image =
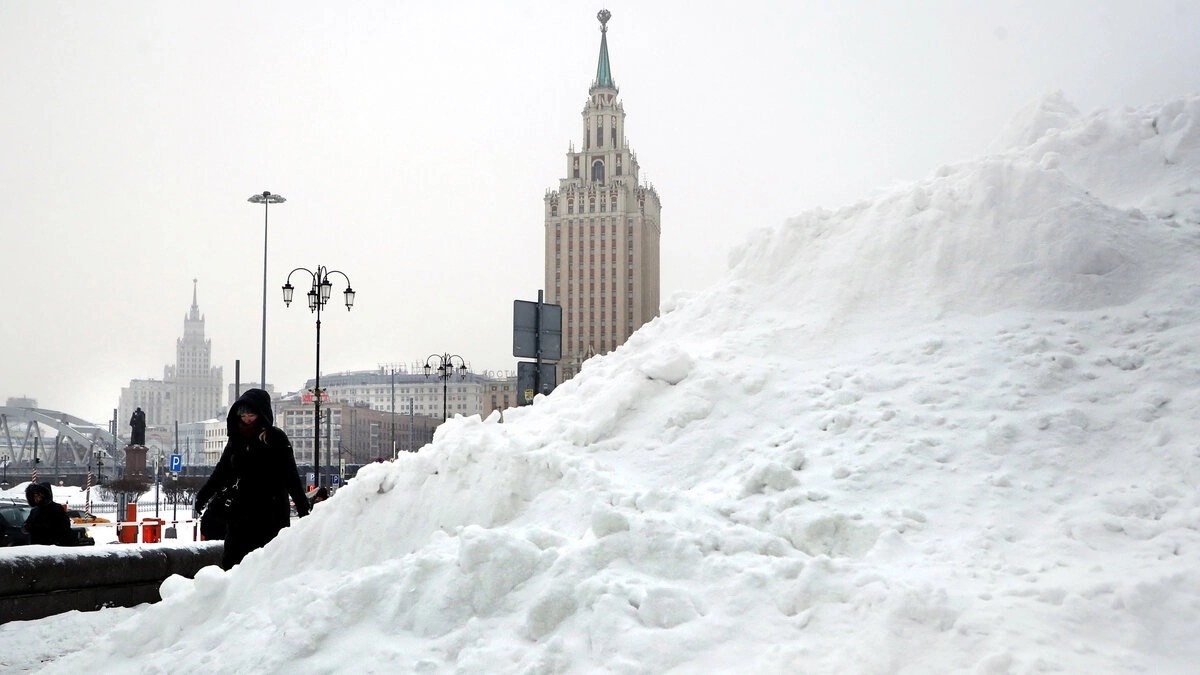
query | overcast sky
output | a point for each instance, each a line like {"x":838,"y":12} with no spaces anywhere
{"x":415,"y":142}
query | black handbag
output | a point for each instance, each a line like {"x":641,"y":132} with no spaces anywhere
{"x":224,"y":499}
{"x":214,"y":521}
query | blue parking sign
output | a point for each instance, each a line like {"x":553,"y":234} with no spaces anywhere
{"x":176,"y":463}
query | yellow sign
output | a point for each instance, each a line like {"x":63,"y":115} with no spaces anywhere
{"x":529,"y":396}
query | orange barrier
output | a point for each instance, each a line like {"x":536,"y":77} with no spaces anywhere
{"x":128,"y":534}
{"x":152,"y":530}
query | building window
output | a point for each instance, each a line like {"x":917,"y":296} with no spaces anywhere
{"x":598,"y":171}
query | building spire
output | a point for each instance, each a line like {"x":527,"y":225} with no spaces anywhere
{"x":604,"y":78}
{"x":195,"y":313}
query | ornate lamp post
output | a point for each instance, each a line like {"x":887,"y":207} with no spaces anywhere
{"x":318,"y":295}
{"x":445,"y":370}
{"x":266,"y":199}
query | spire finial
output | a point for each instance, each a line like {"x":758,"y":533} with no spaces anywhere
{"x":603,"y":69}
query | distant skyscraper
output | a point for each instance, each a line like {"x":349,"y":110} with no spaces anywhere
{"x":190,"y":390}
{"x":602,"y":231}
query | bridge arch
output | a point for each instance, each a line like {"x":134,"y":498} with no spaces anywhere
{"x":24,"y":435}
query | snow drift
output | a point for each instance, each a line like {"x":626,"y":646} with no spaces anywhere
{"x":949,"y":428}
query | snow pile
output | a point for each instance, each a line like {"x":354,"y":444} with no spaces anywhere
{"x":948,"y":429}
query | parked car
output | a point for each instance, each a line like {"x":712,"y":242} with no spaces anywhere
{"x":13,"y":515}
{"x":12,"y":518}
{"x":85,"y":517}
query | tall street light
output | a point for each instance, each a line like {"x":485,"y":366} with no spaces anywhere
{"x":318,"y":295}
{"x":266,"y":199}
{"x":445,"y":370}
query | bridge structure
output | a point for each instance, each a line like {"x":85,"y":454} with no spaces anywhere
{"x":54,"y":441}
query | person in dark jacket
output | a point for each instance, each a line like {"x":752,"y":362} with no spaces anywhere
{"x":259,"y":464}
{"x":47,"y":522}
{"x":320,"y":495}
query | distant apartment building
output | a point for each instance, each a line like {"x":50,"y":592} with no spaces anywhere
{"x":499,"y":394}
{"x":407,"y":390}
{"x":236,"y":389}
{"x":367,"y":414}
{"x":351,"y":434}
{"x":200,"y":443}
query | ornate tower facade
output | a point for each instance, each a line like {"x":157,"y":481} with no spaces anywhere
{"x":197,"y":384}
{"x":190,"y":390}
{"x":602,"y":231}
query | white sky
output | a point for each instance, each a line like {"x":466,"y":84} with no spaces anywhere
{"x":415,"y":141}
{"x":949,"y":429}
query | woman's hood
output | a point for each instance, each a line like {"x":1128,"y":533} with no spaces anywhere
{"x":257,"y":400}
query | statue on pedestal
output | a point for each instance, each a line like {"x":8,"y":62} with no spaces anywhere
{"x":138,"y":424}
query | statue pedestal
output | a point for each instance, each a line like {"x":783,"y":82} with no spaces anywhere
{"x":135,"y":461}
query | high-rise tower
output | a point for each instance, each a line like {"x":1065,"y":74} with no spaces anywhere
{"x":190,"y":390}
{"x":197,"y":394}
{"x":602,"y":231}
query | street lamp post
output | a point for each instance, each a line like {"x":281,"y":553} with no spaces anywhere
{"x":266,"y":199}
{"x":393,"y":413}
{"x":445,"y":370}
{"x":318,"y":295}
{"x":157,"y":467}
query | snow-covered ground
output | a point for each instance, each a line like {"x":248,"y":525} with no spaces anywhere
{"x":950,"y":428}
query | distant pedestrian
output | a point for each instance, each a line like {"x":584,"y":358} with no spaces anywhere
{"x":257,"y":471}
{"x":320,"y":495}
{"x":47,"y":522}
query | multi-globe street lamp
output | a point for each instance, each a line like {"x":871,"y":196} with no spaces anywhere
{"x":318,"y":295}
{"x":266,"y":199}
{"x":446,"y":365}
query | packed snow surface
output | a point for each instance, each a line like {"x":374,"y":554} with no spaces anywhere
{"x":951,"y":428}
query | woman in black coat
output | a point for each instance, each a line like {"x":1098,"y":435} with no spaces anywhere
{"x":258,"y":462}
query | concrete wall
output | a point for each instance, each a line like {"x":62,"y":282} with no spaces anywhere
{"x":37,"y":585}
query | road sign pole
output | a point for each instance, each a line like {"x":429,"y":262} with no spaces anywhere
{"x":537,"y":373}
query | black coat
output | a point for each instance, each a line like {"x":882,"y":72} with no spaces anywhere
{"x":48,"y":522}
{"x":263,"y":467}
